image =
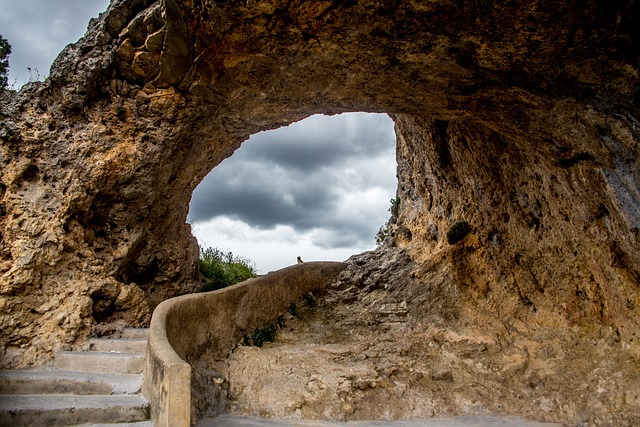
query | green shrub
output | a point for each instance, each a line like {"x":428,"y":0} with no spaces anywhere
{"x":220,"y":269}
{"x":457,"y":231}
{"x":382,"y":234}
{"x":395,"y":206}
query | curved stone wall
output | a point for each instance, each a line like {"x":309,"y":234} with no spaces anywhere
{"x":183,"y":328}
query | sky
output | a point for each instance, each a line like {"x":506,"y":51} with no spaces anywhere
{"x":318,"y":189}
{"x":38,"y":30}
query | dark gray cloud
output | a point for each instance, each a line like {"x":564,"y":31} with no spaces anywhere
{"x":39,"y":29}
{"x":321,"y":141}
{"x":313,"y":175}
{"x":262,"y":204}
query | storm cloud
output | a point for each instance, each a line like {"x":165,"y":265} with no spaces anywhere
{"x":329,"y":173}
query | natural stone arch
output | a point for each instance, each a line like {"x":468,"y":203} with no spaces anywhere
{"x":527,"y":109}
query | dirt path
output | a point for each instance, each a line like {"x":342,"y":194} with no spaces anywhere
{"x":377,"y":348}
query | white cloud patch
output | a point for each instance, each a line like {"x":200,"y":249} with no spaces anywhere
{"x":272,"y":249}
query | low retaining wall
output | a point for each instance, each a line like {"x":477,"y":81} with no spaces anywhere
{"x":183,"y":328}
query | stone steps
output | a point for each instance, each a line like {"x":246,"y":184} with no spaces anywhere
{"x":460,"y":421}
{"x":136,"y":424}
{"x":118,"y":345}
{"x":60,"y":381}
{"x":135,"y":333}
{"x":68,"y":410}
{"x":95,"y":387}
{"x":97,"y":361}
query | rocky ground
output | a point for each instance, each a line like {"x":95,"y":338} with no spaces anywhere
{"x":384,"y":343}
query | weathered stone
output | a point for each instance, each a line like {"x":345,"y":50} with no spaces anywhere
{"x":131,"y":303}
{"x":146,"y":64}
{"x":136,"y":31}
{"x":125,"y":52}
{"x":176,"y":52}
{"x":442,"y":375}
{"x":155,"y":42}
{"x":520,"y":118}
{"x":121,"y":12}
{"x":187,"y":334}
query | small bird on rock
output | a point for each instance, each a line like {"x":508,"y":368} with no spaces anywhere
{"x":300,"y":260}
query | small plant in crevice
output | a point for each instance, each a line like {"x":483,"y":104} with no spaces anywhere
{"x":260,"y":336}
{"x":310,"y":299}
{"x":34,"y":74}
{"x":395,"y":206}
{"x":293,"y":310}
{"x":457,"y":231}
{"x":386,"y":230}
{"x":5,"y":51}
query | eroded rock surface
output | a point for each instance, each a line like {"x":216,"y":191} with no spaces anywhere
{"x":520,"y":118}
{"x":395,"y":340}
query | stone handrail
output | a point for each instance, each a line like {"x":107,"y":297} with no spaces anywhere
{"x":214,"y":322}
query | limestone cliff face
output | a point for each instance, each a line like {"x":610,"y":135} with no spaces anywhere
{"x":519,"y":118}
{"x":551,"y":204}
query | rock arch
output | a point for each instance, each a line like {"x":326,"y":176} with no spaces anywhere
{"x":520,"y":118}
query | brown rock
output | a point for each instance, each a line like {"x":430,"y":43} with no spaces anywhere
{"x":442,"y":375}
{"x":155,"y":42}
{"x":146,"y":64}
{"x":125,"y":51}
{"x":131,"y":302}
{"x":521,"y":120}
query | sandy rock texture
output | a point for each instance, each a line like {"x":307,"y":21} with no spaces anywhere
{"x":394,"y":340}
{"x":520,"y":118}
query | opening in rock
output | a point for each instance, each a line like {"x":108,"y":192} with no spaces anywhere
{"x":318,"y":189}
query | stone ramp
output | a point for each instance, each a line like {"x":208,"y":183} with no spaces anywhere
{"x":95,"y":387}
{"x":464,"y":421}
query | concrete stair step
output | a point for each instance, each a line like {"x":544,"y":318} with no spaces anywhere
{"x":121,"y":345}
{"x":138,"y":424}
{"x":94,"y":361}
{"x":139,"y":333}
{"x":64,"y":410}
{"x":59,"y":381}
